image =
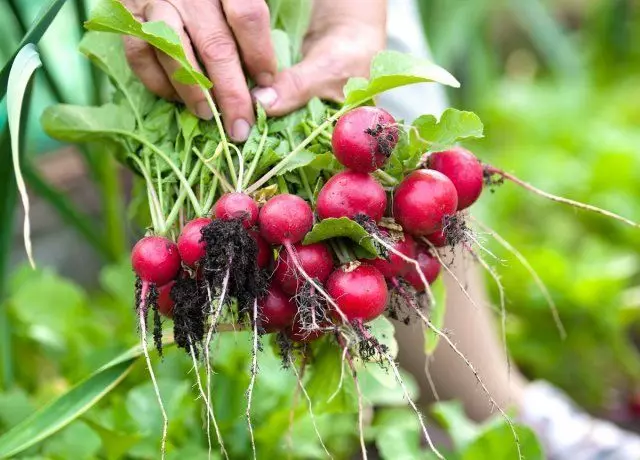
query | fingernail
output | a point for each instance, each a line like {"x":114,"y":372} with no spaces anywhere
{"x":265,"y":96}
{"x":203,"y":110}
{"x":240,"y":130}
{"x":264,"y":79}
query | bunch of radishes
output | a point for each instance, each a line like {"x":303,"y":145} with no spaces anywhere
{"x":305,"y":290}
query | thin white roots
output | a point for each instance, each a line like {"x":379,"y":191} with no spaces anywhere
{"x":427,"y":288}
{"x":536,"y":278}
{"x":396,"y":373}
{"x":503,"y":309}
{"x":472,"y":237}
{"x":435,"y":253}
{"x":354,"y":375}
{"x":207,"y":403}
{"x":254,"y":371}
{"x":207,"y":358}
{"x":344,"y":355}
{"x":455,"y":349}
{"x":427,"y":372}
{"x":310,"y":405}
{"x":156,"y":389}
{"x":292,"y":253}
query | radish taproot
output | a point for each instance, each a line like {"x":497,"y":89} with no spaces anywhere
{"x":422,"y":201}
{"x":364,"y":138}
{"x":463,"y":169}
{"x":350,"y":193}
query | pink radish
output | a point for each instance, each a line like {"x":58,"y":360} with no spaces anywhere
{"x":463,"y":169}
{"x":276,"y":309}
{"x":360,"y":292}
{"x":315,"y":259}
{"x":265,"y":253}
{"x":191,"y":245}
{"x":364,"y":138}
{"x":285,"y":219}
{"x":429,"y":266}
{"x":438,"y":239}
{"x":165,"y":301}
{"x":395,"y":265}
{"x":237,"y":206}
{"x":350,"y":193}
{"x":422,"y":200}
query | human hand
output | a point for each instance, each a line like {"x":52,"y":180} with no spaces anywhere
{"x":225,"y":35}
{"x":342,"y":39}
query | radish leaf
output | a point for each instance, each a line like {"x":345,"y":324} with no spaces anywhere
{"x":391,"y":69}
{"x":437,"y":135}
{"x":345,"y":228}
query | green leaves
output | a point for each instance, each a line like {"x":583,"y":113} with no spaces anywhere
{"x":292,"y":16}
{"x":73,"y":123}
{"x":345,"y":228}
{"x":436,"y":316}
{"x":65,"y":409}
{"x":453,"y":126}
{"x":112,"y":16}
{"x":391,"y":69}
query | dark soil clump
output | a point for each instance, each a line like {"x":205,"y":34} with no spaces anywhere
{"x":189,"y":312}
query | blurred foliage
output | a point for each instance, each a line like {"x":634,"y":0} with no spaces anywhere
{"x":561,"y":114}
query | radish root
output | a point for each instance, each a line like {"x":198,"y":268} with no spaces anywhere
{"x":254,"y":372}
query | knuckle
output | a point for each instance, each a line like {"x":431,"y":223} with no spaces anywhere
{"x":247,"y":14}
{"x":297,"y":84}
{"x":217,"y":46}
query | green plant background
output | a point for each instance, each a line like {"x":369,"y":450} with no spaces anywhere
{"x":556,"y":84}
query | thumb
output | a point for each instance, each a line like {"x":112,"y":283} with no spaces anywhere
{"x":295,"y":86}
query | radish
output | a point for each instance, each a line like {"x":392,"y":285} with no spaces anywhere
{"x":364,"y":138}
{"x":191,"y":245}
{"x":285,"y":219}
{"x":350,"y":193}
{"x":429,"y":266}
{"x":237,"y":205}
{"x":265,"y":253}
{"x":315,"y":259}
{"x":360,"y":292}
{"x":463,"y":169}
{"x":155,"y":260}
{"x":276,"y":309}
{"x":165,"y":301}
{"x":438,"y":239}
{"x":422,"y":200}
{"x":395,"y":266}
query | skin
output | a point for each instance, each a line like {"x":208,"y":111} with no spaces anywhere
{"x":227,"y":35}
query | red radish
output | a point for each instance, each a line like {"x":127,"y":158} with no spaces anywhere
{"x":438,"y":239}
{"x":395,"y":265}
{"x":360,"y":292}
{"x":463,"y":169}
{"x":156,"y":260}
{"x":422,"y":200}
{"x":350,"y":193}
{"x":276,"y":309}
{"x":315,"y":259}
{"x":429,"y":266}
{"x":364,"y":138}
{"x":285,"y":219}
{"x":191,"y":245}
{"x":237,"y":205}
{"x":297,"y":334}
{"x":165,"y":301}
{"x":265,"y":253}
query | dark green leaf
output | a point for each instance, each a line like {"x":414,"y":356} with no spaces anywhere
{"x":451,"y":416}
{"x":436,"y":315}
{"x":342,"y":227}
{"x":112,"y":16}
{"x":453,"y":126}
{"x":391,"y":69}
{"x":66,"y":408}
{"x":72,"y":123}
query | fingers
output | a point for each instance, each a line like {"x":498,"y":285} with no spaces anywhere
{"x":249,"y":20}
{"x":143,"y":62}
{"x":216,"y":47}
{"x":191,"y":95}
